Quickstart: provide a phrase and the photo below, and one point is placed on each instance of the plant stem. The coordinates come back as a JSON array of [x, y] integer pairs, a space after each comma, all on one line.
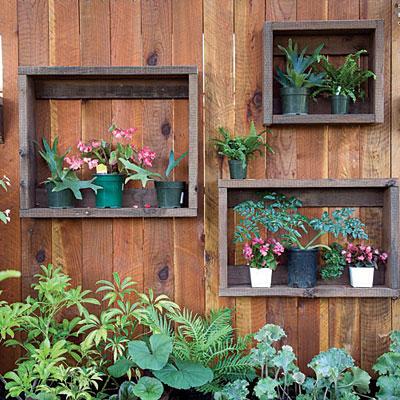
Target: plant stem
[[317, 236]]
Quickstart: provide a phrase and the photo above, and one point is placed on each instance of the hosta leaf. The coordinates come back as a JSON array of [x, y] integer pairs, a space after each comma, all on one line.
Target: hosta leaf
[[184, 375], [148, 388]]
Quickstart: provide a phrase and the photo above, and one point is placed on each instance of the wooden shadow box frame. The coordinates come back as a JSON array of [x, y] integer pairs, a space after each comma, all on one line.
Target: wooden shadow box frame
[[340, 38], [381, 193], [62, 83]]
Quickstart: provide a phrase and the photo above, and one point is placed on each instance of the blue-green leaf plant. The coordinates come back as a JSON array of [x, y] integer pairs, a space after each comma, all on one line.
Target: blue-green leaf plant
[[61, 177], [388, 369], [336, 378], [299, 68], [279, 376], [281, 215]]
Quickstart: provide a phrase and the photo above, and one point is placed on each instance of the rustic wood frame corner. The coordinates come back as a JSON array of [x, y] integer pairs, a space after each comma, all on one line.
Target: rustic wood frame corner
[[376, 27], [155, 82], [383, 193]]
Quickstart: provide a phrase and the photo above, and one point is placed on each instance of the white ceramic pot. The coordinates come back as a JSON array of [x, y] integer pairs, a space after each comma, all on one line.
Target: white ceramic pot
[[362, 277], [260, 277]]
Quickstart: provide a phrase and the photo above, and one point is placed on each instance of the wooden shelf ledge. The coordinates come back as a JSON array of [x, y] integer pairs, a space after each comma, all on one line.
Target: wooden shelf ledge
[[108, 212], [318, 291], [279, 119]]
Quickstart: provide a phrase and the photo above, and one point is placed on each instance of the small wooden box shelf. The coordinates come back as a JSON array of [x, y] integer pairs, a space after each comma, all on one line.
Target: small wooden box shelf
[[376, 193], [63, 83], [340, 38]]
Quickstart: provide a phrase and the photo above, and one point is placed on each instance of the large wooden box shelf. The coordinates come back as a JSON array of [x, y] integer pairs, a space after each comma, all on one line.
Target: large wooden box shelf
[[322, 193], [66, 83], [340, 38]]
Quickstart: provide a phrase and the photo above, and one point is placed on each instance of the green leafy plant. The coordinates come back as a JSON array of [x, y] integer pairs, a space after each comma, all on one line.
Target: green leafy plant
[[144, 176], [346, 79], [387, 367], [334, 262], [277, 213], [5, 215], [299, 71], [61, 177], [237, 390], [241, 148], [336, 378]]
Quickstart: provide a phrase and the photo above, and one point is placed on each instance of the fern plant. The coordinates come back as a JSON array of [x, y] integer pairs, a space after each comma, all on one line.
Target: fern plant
[[346, 79]]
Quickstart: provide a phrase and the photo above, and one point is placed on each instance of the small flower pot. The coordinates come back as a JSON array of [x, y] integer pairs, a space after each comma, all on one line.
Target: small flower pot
[[340, 104], [260, 277], [302, 267], [236, 169], [110, 196], [294, 101], [63, 199], [362, 277], [169, 194]]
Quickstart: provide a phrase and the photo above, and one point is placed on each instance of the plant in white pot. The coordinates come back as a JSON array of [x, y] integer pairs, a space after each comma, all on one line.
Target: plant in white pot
[[362, 261], [262, 258]]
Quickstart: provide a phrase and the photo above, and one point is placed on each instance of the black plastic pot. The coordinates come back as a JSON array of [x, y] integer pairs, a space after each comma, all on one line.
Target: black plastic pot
[[302, 267], [169, 194], [294, 101], [236, 169], [63, 199], [340, 104]]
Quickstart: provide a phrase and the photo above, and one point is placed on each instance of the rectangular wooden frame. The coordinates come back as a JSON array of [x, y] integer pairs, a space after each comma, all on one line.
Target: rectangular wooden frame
[[376, 27], [156, 82], [316, 193]]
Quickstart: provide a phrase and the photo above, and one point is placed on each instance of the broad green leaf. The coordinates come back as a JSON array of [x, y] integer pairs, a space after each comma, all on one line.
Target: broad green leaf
[[148, 388], [126, 391], [120, 367], [184, 375]]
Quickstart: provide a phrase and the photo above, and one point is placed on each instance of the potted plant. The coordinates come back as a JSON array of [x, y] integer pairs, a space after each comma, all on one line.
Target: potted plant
[[169, 193], [343, 83], [261, 256], [106, 157], [238, 149], [299, 78], [63, 186], [362, 261], [279, 214]]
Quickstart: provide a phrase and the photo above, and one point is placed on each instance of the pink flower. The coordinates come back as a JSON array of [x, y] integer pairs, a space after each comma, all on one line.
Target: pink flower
[[147, 205], [146, 156], [278, 249], [74, 162], [257, 241], [264, 249], [361, 258], [83, 147], [119, 133], [96, 144], [93, 164], [135, 206], [383, 256], [247, 252]]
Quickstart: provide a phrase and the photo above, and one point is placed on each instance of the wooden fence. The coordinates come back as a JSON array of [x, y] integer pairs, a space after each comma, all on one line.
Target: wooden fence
[[179, 256]]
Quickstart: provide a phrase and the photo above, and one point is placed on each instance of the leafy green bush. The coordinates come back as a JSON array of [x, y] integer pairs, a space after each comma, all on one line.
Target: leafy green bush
[[241, 148], [334, 262], [299, 72]]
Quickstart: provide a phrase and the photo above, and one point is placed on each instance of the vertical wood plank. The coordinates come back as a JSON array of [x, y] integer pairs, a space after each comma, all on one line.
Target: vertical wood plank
[[375, 162], [219, 111], [95, 36], [187, 27]]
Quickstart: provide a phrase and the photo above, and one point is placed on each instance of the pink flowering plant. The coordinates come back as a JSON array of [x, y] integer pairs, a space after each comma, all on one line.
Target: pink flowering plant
[[63, 170], [260, 253], [115, 152], [364, 256]]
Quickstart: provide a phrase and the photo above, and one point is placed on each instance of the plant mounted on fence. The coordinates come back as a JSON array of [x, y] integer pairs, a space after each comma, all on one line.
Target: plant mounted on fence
[[299, 78], [344, 82], [107, 155], [336, 378], [5, 215], [63, 185], [262, 258], [239, 149], [362, 261], [169, 193], [279, 214]]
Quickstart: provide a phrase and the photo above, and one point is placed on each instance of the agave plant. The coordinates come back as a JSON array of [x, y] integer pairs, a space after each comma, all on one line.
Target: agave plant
[[299, 71], [61, 177], [346, 79]]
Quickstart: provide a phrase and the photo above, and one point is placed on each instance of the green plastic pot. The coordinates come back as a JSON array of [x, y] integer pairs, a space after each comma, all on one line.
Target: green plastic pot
[[294, 100], [340, 104], [63, 199], [110, 196], [236, 169], [169, 194], [302, 267]]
